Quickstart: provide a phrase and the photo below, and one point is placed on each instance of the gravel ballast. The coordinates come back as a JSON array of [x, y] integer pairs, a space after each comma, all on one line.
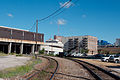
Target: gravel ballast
[[70, 70]]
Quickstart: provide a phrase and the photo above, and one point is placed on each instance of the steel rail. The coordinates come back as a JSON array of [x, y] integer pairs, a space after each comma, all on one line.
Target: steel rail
[[55, 68], [103, 70], [51, 78], [28, 78], [38, 71], [97, 77], [93, 73]]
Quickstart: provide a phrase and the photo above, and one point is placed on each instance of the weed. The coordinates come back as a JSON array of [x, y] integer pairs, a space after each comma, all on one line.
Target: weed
[[20, 70]]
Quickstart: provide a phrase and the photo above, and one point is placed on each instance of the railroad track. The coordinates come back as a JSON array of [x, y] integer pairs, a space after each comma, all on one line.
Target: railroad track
[[36, 72], [97, 72], [55, 69]]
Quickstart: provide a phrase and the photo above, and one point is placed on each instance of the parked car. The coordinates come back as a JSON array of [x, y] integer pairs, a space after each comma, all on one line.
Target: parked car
[[106, 58], [115, 59], [99, 56], [111, 58], [79, 54]]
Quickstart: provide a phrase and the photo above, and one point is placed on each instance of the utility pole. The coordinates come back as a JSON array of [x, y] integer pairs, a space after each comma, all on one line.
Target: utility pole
[[36, 51], [36, 33]]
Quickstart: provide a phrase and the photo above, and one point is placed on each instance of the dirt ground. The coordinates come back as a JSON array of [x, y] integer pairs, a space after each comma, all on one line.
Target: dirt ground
[[111, 66]]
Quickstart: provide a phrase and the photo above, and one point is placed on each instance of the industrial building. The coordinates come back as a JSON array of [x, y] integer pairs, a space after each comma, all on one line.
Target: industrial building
[[109, 49], [19, 41], [77, 43], [52, 47]]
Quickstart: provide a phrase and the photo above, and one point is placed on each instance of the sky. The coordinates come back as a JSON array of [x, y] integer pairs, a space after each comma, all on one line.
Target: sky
[[99, 18]]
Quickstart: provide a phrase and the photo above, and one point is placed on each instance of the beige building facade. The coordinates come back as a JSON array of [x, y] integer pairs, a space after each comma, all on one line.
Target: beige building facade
[[92, 44], [78, 43]]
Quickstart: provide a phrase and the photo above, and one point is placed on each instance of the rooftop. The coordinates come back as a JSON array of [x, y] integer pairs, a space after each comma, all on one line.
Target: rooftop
[[13, 28]]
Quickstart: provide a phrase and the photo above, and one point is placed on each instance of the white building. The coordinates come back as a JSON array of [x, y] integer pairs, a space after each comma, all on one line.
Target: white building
[[53, 46]]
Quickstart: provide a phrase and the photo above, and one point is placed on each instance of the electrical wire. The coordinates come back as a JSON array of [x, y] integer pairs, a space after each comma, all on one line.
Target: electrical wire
[[32, 26], [65, 8], [52, 13], [56, 11]]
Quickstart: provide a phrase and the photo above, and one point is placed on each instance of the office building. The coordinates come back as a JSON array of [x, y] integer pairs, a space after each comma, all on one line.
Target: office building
[[77, 43]]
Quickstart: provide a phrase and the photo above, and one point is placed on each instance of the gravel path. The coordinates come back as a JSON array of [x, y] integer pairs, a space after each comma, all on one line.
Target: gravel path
[[12, 61], [70, 70]]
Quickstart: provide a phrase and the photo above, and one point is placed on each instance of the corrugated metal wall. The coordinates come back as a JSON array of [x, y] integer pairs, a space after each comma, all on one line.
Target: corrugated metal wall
[[16, 34], [29, 36], [19, 34], [5, 33]]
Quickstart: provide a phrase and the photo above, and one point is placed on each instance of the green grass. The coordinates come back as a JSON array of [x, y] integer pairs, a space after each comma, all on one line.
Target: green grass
[[3, 54], [20, 70], [19, 54], [12, 53], [51, 66], [43, 75]]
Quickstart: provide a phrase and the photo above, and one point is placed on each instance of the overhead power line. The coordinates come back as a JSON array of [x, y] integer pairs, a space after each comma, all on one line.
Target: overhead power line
[[56, 11], [65, 9], [52, 13], [32, 27]]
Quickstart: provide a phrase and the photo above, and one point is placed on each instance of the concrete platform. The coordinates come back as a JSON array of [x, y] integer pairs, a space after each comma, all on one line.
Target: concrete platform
[[12, 61]]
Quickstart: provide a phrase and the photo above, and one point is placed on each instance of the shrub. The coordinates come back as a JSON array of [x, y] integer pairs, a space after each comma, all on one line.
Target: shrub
[[42, 51], [19, 54], [12, 53]]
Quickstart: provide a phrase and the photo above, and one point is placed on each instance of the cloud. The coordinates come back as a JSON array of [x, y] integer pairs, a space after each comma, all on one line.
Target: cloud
[[67, 6], [84, 16], [61, 21], [10, 15], [51, 22]]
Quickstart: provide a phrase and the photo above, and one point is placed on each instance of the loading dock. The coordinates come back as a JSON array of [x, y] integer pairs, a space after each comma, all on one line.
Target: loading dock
[[19, 41]]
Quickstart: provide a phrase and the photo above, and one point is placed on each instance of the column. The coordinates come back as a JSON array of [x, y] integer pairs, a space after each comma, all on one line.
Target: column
[[21, 48], [39, 47], [47, 52], [9, 47], [33, 49]]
